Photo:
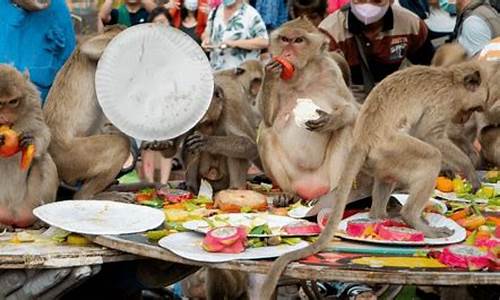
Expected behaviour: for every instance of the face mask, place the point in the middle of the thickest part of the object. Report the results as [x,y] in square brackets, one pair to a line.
[369,13]
[229,2]
[191,5]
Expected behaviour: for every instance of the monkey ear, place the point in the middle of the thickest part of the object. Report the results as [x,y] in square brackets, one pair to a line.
[472,81]
[26,74]
[94,47]
[218,92]
[255,86]
[239,71]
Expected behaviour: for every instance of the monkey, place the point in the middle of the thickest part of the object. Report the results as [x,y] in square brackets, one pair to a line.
[489,138]
[221,147]
[301,160]
[21,191]
[343,65]
[449,54]
[399,138]
[79,148]
[462,135]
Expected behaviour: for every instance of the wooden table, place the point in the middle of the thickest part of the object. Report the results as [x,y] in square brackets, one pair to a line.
[45,253]
[137,244]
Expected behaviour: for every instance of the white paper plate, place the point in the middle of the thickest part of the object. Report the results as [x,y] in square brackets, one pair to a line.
[301,211]
[154,82]
[453,197]
[188,245]
[100,216]
[434,220]
[273,221]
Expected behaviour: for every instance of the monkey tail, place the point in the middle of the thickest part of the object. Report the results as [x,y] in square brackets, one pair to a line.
[351,168]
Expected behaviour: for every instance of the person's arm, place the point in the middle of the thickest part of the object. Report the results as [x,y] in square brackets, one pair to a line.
[104,16]
[250,44]
[475,35]
[421,49]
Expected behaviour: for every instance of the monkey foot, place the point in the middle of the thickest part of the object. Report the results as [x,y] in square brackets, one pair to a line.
[115,196]
[436,232]
[284,200]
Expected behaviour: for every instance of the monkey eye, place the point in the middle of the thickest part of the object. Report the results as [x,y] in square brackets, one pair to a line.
[299,40]
[284,39]
[13,102]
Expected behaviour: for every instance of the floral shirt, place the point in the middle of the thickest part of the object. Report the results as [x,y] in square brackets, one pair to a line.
[246,23]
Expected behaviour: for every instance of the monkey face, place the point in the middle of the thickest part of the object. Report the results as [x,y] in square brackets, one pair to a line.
[12,83]
[297,41]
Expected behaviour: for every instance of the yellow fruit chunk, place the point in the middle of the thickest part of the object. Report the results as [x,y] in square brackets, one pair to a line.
[77,240]
[176,215]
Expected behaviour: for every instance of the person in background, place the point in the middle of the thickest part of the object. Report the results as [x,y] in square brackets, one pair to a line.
[477,23]
[160,15]
[37,37]
[441,21]
[375,38]
[191,18]
[273,12]
[314,10]
[235,33]
[130,13]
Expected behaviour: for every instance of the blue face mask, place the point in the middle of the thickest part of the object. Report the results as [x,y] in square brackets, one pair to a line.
[229,2]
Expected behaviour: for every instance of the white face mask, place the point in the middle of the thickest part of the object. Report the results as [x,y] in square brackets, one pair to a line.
[368,13]
[191,5]
[229,2]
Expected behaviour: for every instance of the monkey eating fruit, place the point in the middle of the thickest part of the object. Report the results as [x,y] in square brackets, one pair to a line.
[22,130]
[400,139]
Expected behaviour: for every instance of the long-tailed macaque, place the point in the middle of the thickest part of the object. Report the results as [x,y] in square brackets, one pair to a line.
[301,160]
[23,190]
[221,147]
[463,135]
[74,116]
[400,138]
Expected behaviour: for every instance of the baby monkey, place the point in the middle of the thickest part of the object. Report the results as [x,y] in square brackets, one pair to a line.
[400,138]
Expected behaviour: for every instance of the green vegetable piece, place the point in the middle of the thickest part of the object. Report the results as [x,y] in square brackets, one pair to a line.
[262,229]
[190,206]
[471,239]
[291,240]
[156,235]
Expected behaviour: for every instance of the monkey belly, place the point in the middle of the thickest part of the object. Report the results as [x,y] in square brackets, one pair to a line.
[12,193]
[306,149]
[292,174]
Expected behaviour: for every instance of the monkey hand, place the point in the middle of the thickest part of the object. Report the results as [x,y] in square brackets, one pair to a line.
[474,181]
[196,141]
[273,70]
[158,145]
[321,124]
[26,139]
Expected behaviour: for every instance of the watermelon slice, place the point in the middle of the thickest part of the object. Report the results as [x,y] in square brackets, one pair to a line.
[395,233]
[361,227]
[302,228]
[465,256]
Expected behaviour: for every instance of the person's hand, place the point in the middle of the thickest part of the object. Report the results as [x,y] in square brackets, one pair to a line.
[206,44]
[42,283]
[231,43]
[172,4]
[204,8]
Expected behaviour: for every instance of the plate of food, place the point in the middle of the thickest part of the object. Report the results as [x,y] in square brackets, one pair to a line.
[361,228]
[460,190]
[256,224]
[193,246]
[98,217]
[300,210]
